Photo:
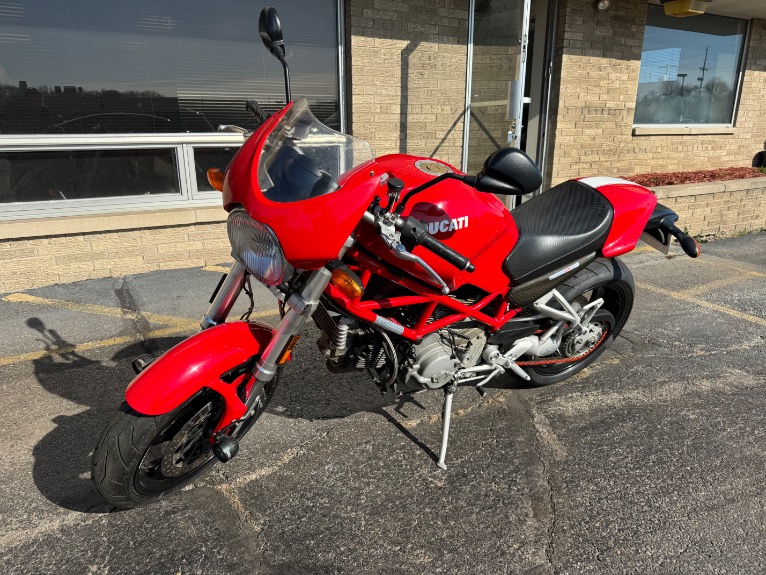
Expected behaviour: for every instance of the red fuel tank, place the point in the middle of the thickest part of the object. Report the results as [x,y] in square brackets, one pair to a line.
[475,224]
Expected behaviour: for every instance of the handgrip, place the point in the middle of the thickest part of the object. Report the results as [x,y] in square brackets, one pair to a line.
[414,233]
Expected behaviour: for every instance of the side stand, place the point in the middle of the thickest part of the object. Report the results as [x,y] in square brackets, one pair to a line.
[449,391]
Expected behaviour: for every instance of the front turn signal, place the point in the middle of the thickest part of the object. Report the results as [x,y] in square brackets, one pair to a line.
[347,282]
[216,178]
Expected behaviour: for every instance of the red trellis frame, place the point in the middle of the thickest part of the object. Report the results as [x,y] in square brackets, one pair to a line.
[496,316]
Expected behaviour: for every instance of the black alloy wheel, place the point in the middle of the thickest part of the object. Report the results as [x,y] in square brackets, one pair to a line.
[609,279]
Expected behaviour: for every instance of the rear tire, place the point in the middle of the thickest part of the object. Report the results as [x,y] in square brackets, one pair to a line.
[607,278]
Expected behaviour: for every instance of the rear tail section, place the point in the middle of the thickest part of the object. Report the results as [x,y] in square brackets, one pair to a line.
[661,227]
[637,215]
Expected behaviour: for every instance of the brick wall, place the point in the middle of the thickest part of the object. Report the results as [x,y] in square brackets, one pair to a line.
[406,66]
[717,209]
[36,262]
[597,65]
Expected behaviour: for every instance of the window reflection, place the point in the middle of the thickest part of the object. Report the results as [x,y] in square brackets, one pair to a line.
[206,158]
[103,66]
[72,175]
[689,69]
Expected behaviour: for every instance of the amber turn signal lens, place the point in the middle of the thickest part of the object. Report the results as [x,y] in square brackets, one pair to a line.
[347,282]
[216,178]
[288,353]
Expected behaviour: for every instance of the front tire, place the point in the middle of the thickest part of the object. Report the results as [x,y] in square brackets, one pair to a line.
[606,278]
[139,458]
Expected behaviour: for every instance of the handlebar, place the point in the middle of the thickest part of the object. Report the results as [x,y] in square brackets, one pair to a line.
[415,233]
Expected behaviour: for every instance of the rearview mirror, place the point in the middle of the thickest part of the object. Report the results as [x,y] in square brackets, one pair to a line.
[270,30]
[509,171]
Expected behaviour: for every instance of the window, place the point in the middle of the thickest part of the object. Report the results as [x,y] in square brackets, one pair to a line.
[76,174]
[109,99]
[689,69]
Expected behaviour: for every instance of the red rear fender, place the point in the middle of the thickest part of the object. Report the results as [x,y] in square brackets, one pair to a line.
[633,205]
[197,363]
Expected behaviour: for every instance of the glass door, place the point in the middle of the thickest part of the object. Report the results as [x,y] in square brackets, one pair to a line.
[497,67]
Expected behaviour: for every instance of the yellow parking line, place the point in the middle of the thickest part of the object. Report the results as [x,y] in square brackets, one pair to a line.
[219,269]
[120,340]
[721,283]
[99,309]
[717,262]
[173,326]
[702,303]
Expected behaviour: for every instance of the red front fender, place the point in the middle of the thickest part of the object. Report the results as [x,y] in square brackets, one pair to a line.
[197,363]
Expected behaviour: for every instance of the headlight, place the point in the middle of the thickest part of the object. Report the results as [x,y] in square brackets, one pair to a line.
[256,247]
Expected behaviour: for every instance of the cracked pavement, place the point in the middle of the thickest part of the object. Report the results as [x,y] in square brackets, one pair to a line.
[650,461]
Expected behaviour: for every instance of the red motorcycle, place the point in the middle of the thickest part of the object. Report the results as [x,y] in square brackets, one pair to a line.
[412,271]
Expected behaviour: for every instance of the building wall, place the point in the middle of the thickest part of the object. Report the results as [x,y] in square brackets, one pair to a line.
[718,209]
[34,262]
[597,63]
[406,71]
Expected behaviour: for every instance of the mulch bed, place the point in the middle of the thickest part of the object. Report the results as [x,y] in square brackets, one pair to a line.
[695,177]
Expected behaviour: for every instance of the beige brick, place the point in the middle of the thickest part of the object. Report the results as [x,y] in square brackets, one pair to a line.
[211,254]
[23,264]
[185,246]
[131,252]
[74,257]
[72,269]
[58,247]
[208,234]
[16,253]
[162,239]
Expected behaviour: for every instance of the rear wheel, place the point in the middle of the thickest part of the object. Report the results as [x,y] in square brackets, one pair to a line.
[609,279]
[141,458]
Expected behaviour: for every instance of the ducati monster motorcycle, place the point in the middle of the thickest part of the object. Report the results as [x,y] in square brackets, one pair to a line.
[412,270]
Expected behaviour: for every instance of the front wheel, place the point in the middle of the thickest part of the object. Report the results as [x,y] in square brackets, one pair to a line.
[141,458]
[609,279]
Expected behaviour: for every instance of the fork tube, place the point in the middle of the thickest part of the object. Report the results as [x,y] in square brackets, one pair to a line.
[225,298]
[301,307]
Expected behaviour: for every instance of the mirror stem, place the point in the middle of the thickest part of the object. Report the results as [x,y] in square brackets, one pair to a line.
[470,180]
[288,94]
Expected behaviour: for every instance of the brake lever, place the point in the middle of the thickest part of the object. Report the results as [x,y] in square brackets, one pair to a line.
[401,252]
[391,239]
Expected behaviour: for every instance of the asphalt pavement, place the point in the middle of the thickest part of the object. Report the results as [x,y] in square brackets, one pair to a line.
[650,461]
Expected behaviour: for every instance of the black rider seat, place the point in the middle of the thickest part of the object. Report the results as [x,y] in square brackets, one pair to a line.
[558,227]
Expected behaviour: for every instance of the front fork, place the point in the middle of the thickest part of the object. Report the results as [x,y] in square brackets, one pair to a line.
[224,299]
[300,307]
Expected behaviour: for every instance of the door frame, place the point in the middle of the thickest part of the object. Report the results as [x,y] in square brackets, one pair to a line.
[541,60]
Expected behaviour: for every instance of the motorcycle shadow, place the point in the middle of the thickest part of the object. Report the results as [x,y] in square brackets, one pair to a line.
[62,459]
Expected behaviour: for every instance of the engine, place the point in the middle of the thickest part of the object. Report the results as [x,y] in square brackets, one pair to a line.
[434,361]
[428,364]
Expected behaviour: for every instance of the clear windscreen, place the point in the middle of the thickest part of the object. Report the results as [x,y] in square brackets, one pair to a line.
[302,158]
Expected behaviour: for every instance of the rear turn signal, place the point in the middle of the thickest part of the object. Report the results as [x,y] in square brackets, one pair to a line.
[216,178]
[347,282]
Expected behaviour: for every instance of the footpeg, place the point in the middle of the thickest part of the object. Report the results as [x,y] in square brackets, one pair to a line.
[226,448]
